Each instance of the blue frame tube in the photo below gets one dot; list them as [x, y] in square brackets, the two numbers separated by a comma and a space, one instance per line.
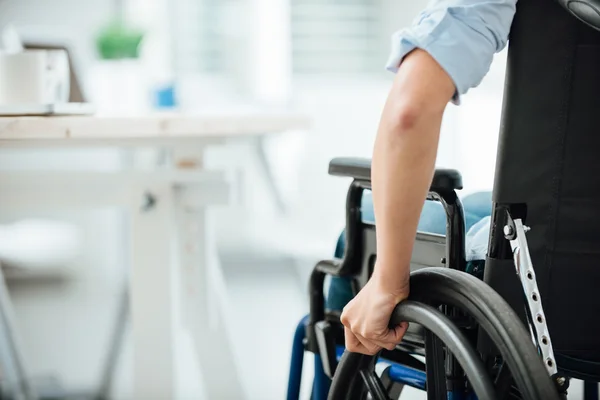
[297, 361]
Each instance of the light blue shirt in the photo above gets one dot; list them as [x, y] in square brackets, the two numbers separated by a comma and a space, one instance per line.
[461, 35]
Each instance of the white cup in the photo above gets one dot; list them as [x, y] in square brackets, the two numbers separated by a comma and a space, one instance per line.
[34, 77]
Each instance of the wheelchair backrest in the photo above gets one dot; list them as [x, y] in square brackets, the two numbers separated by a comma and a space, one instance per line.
[548, 171]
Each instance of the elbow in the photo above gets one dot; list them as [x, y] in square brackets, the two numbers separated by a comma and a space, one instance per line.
[404, 117]
[419, 94]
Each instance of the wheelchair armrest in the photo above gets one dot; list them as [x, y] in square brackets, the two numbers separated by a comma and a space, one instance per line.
[351, 167]
[444, 180]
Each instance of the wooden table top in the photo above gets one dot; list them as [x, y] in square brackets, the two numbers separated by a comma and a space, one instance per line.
[147, 127]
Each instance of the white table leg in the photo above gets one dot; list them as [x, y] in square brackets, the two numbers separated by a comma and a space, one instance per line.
[153, 293]
[204, 299]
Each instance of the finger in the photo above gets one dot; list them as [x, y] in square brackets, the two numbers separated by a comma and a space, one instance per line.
[346, 314]
[385, 345]
[395, 335]
[383, 341]
[352, 343]
[344, 318]
[369, 345]
[392, 337]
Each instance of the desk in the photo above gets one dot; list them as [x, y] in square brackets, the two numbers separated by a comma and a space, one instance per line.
[175, 277]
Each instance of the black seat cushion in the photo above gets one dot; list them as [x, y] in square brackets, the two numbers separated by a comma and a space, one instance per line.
[444, 180]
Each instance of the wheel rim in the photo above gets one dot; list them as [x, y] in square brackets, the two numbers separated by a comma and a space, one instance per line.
[492, 314]
[353, 365]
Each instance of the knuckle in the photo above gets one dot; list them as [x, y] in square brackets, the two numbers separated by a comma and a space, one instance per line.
[370, 335]
[344, 318]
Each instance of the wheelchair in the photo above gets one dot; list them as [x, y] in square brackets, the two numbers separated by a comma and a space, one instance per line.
[523, 322]
[445, 338]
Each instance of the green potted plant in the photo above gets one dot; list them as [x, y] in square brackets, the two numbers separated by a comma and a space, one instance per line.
[118, 80]
[119, 41]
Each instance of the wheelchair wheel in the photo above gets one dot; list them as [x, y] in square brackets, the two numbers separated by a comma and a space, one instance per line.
[355, 376]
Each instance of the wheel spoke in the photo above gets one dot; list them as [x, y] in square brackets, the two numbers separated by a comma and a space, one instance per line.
[374, 385]
[347, 382]
[434, 365]
[503, 381]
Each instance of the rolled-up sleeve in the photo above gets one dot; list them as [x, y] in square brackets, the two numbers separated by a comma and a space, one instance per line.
[461, 35]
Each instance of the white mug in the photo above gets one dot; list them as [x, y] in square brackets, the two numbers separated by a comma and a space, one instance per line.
[34, 77]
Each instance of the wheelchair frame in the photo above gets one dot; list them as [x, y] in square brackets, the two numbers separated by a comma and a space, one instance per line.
[321, 333]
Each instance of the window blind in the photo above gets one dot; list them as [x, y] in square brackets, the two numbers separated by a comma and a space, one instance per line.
[336, 36]
[198, 40]
[327, 36]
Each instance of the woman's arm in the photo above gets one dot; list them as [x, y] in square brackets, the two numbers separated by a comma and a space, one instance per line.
[402, 169]
[404, 161]
[448, 51]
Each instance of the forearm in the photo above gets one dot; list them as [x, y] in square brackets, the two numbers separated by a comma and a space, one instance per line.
[404, 160]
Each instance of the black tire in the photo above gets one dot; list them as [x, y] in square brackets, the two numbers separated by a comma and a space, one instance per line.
[498, 320]
[492, 314]
[433, 320]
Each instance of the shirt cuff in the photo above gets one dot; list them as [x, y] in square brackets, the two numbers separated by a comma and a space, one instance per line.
[403, 43]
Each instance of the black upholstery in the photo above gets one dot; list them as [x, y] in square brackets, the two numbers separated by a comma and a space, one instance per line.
[587, 11]
[547, 152]
[444, 180]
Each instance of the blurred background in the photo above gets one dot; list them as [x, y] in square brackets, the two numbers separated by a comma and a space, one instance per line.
[324, 58]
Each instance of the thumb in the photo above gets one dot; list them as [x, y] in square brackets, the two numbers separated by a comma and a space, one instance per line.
[397, 333]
